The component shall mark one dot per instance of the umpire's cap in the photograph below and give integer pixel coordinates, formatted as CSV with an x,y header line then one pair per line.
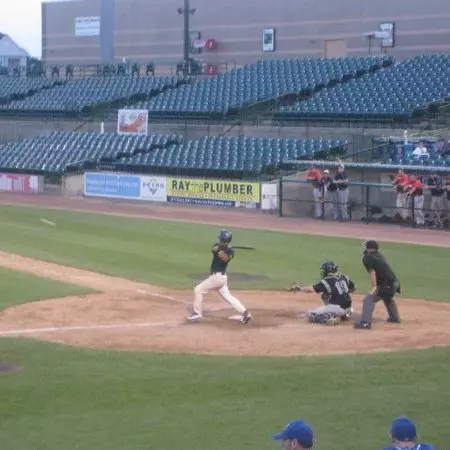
x,y
299,430
403,429
372,245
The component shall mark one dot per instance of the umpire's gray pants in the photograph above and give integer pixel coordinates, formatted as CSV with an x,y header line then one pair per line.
x,y
369,306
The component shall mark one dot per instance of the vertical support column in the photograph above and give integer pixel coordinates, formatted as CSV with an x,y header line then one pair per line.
x,y
107,11
280,197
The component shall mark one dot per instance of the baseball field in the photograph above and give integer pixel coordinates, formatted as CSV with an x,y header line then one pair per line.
x,y
95,352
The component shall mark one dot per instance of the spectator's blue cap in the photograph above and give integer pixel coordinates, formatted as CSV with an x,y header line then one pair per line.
x,y
404,430
299,430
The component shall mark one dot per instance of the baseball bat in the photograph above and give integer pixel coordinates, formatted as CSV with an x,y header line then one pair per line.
x,y
244,247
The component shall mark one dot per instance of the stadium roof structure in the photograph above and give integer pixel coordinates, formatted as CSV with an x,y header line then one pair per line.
x,y
10,48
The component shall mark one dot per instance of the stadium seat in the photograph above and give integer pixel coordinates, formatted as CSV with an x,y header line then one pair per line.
x,y
264,80
396,91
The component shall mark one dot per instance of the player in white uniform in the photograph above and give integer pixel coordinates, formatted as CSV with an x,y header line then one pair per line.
x,y
223,253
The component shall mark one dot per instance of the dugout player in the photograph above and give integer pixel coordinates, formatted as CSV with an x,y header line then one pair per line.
x,y
384,285
404,436
401,182
335,289
314,177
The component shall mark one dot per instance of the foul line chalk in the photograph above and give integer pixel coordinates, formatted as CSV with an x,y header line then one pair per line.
x,y
118,326
143,291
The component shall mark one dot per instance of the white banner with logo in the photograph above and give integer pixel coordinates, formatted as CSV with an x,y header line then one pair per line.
x,y
154,188
87,26
269,196
132,121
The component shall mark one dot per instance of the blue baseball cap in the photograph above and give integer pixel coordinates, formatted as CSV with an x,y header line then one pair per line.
x,y
299,430
404,429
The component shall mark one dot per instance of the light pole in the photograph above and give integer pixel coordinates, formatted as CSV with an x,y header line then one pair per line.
x,y
186,11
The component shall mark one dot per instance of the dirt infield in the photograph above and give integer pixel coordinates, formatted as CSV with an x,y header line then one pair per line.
x,y
128,315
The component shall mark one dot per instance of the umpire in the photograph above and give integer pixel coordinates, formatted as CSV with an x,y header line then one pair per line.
x,y
384,286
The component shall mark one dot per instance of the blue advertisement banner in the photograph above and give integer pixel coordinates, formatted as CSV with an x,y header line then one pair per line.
x,y
111,185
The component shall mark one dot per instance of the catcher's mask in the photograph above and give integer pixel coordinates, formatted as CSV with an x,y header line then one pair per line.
x,y
327,268
225,236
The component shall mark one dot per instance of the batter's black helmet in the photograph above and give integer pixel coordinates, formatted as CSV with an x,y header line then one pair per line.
x,y
225,236
328,267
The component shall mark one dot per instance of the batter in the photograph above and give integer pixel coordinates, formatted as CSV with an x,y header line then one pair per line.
x,y
223,253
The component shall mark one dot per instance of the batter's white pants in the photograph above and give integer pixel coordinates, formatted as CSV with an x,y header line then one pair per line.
x,y
215,282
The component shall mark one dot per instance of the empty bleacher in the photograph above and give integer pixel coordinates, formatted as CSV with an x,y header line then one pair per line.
x,y
399,91
264,80
55,152
12,88
85,94
232,154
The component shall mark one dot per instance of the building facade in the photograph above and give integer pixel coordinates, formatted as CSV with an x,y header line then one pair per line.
x,y
94,31
11,55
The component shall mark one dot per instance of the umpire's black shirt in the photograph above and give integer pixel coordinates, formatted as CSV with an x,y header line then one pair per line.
x,y
377,262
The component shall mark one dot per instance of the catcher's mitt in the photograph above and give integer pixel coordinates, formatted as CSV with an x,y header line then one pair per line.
x,y
295,288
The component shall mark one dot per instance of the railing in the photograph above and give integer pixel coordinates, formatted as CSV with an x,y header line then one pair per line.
x,y
382,151
364,202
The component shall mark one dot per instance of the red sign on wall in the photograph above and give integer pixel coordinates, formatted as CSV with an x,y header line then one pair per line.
x,y
14,182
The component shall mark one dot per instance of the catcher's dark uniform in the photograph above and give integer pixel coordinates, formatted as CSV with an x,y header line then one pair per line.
x,y
335,290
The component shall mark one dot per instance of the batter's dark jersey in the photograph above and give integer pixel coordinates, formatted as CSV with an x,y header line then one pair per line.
x,y
217,265
337,288
377,262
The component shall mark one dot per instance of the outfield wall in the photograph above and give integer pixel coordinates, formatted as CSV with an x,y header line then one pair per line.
x,y
21,183
372,198
168,189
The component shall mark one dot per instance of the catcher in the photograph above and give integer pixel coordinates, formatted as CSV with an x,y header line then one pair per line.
x,y
335,289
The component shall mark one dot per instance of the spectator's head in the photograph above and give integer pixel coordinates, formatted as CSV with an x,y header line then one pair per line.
x,y
341,168
297,435
403,430
401,172
326,173
412,178
422,144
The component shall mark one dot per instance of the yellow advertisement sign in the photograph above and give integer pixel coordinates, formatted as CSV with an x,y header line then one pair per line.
x,y
235,194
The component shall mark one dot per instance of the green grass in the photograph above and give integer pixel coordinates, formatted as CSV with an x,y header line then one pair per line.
x,y
166,253
18,287
66,398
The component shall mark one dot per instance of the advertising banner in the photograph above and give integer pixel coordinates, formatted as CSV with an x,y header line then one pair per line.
x,y
269,196
87,26
154,188
233,194
112,185
132,121
23,184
